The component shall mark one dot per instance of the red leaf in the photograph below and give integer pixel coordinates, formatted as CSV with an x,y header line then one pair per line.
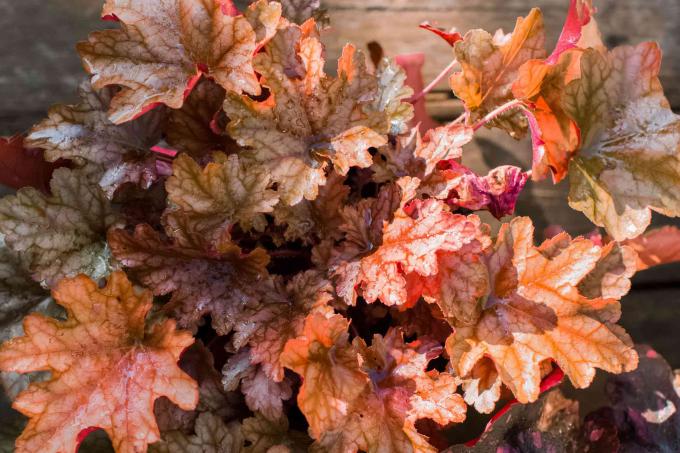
x,y
451,37
20,167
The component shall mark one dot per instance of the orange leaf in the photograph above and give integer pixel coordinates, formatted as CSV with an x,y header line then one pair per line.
x,y
490,66
107,368
534,313
410,245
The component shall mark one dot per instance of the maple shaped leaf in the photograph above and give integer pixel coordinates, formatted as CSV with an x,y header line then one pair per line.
x,y
83,134
309,119
490,66
196,127
225,192
162,48
329,367
410,244
62,234
628,162
203,280
534,313
212,435
399,392
22,166
107,367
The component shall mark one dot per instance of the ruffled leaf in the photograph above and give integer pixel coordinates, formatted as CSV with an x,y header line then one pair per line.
x,y
490,66
534,313
310,118
63,234
107,368
628,162
162,48
202,281
223,193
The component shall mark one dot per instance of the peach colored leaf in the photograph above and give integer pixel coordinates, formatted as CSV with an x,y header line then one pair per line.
x,y
329,366
628,163
196,128
62,234
161,50
410,245
212,435
534,313
224,193
490,66
399,393
310,119
107,368
202,281
656,247
83,134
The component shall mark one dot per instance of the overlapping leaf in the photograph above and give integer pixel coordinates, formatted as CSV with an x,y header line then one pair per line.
x,y
490,66
223,193
361,398
62,234
203,280
162,48
628,163
309,118
411,244
534,313
197,127
107,368
542,82
83,134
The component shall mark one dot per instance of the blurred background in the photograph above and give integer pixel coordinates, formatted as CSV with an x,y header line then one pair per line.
x,y
39,67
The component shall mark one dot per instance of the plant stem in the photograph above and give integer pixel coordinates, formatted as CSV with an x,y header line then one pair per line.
x,y
434,82
515,103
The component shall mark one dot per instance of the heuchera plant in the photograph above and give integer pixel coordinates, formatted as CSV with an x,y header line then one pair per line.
x,y
248,254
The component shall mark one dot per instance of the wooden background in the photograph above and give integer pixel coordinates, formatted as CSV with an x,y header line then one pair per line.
x,y
39,66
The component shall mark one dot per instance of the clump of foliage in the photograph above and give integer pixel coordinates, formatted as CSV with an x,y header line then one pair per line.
x,y
246,253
